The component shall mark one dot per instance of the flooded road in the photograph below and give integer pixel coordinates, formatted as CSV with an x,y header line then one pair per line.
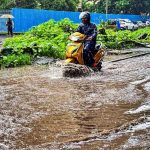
x,y
41,110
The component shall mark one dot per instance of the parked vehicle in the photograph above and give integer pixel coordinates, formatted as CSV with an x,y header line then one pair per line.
x,y
141,24
147,23
127,24
135,26
74,53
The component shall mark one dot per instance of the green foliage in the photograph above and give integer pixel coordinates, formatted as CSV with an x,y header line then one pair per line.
x,y
15,60
140,32
118,6
67,25
8,4
114,6
68,5
123,39
47,39
50,39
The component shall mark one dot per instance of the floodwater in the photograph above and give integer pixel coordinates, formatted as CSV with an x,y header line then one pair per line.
x,y
109,110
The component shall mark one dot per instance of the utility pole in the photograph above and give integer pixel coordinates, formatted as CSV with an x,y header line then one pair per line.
x,y
106,8
80,6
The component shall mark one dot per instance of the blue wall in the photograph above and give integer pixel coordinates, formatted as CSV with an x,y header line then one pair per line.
x,y
3,25
26,18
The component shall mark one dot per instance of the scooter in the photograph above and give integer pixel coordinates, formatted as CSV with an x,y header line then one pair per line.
x,y
74,51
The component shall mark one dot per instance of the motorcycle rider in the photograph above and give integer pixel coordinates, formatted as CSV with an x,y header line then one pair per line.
x,y
89,29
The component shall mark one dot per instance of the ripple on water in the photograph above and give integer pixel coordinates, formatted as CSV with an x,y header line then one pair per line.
x,y
143,108
39,108
147,86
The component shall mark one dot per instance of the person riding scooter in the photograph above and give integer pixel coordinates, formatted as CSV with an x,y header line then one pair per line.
x,y
90,30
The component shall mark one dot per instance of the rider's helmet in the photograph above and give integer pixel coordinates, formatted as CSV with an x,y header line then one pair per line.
x,y
85,14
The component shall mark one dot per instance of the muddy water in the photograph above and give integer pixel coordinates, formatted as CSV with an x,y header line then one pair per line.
x,y
39,109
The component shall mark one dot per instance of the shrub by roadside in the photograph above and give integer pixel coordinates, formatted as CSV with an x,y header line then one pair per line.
x,y
50,39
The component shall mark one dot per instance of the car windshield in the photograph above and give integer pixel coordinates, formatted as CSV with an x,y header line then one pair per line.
x,y
122,20
125,20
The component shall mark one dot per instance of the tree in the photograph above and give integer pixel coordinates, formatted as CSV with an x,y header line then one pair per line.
x,y
25,3
9,4
118,6
66,5
6,4
114,6
138,6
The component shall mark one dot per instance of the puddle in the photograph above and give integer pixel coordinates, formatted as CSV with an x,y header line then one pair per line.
x,y
40,109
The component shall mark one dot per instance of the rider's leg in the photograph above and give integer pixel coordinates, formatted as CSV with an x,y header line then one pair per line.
x,y
87,53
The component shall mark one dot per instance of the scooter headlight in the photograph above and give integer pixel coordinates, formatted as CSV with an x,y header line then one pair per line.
x,y
74,38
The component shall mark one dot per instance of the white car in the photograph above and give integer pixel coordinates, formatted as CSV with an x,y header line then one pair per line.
x,y
141,24
147,23
127,24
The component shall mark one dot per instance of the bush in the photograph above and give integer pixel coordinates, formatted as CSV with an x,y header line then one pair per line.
x,y
50,39
47,39
15,60
123,39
